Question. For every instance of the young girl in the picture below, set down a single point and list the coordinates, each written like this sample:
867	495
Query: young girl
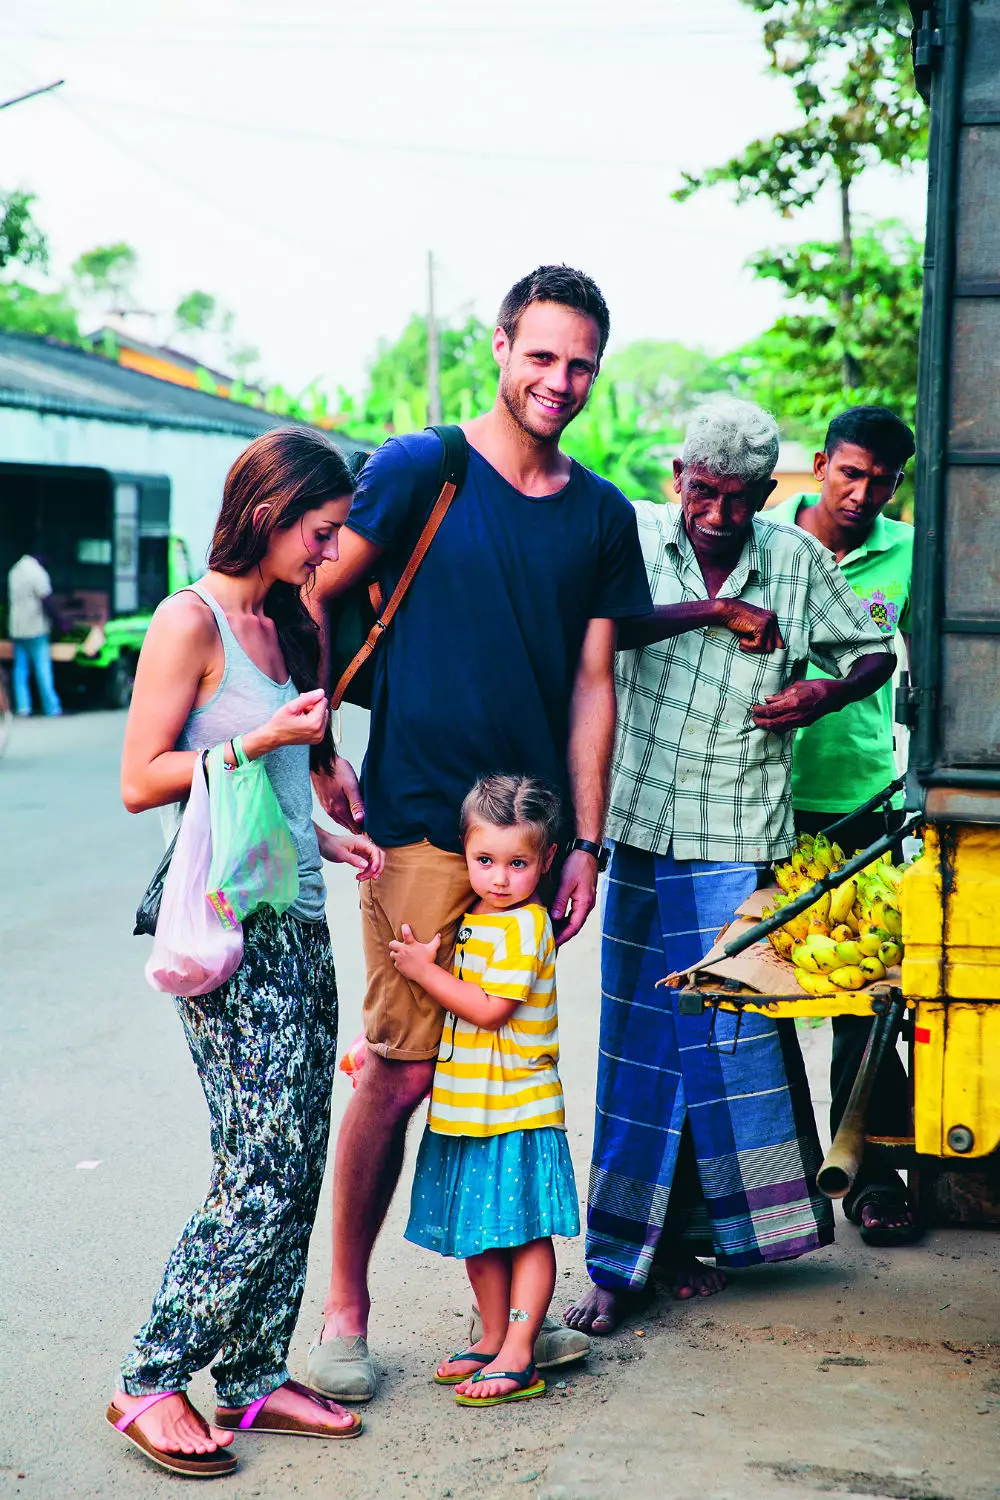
494	1180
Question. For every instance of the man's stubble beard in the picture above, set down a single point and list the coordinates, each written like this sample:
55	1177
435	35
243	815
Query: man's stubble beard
519	414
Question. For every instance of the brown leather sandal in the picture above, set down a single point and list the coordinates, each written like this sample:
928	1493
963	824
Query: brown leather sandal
192	1465
256	1418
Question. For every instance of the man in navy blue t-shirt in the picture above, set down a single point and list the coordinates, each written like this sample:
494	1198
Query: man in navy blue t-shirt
500	659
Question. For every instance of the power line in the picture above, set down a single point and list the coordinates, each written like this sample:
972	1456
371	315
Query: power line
33	93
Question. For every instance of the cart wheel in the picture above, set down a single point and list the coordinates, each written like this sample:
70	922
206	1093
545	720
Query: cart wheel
120	681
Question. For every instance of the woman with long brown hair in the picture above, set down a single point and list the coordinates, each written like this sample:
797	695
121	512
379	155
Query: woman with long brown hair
237	654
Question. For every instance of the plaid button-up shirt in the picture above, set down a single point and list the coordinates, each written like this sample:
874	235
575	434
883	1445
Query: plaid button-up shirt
690	767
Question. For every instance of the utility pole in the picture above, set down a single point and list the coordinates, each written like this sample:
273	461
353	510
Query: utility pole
433	351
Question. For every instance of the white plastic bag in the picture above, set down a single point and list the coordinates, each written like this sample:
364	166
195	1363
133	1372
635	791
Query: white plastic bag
192	953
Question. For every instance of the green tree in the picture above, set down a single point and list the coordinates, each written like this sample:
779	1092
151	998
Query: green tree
667	381
105	274
612	436
796	366
195	312
850	70
21	240
23	307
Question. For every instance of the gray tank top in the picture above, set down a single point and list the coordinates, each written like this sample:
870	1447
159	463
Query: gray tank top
246	698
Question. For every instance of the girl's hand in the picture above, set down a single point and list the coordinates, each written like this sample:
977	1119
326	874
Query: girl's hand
411	957
301	722
354	849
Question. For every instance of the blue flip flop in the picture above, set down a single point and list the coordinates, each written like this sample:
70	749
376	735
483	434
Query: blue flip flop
480	1359
528	1381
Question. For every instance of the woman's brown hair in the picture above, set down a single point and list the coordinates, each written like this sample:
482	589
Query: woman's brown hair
291	470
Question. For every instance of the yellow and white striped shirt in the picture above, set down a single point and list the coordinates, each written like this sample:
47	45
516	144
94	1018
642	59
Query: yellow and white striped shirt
491	1082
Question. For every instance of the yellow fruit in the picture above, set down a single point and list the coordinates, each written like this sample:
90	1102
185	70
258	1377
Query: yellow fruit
848	977
838	854
893	920
820	909
782	942
841	901
849	952
815	870
797	927
824	952
785	876
816	984
843	933
799	862
817	930
871	968
890	953
802	958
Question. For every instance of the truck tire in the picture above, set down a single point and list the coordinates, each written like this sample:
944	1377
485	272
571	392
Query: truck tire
120	681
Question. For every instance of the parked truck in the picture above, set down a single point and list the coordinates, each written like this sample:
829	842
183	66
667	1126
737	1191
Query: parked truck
106	542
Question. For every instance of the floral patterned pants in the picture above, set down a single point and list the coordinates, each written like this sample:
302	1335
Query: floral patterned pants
265	1048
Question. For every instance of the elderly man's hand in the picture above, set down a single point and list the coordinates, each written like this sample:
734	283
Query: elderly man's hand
795	706
757	628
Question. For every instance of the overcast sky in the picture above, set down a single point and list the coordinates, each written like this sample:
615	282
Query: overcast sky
298	160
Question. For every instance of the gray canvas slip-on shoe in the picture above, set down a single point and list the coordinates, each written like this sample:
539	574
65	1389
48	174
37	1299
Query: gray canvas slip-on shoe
343	1369
555	1344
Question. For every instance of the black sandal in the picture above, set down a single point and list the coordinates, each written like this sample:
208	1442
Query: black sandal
881	1198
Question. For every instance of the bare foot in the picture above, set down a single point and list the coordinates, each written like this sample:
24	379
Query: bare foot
173	1425
687	1276
448	1368
888	1215
598	1311
294	1400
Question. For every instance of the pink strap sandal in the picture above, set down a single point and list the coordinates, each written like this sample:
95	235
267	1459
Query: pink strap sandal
194	1465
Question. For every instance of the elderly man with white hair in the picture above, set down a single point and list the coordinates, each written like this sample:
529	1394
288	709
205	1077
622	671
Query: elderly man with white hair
705	1142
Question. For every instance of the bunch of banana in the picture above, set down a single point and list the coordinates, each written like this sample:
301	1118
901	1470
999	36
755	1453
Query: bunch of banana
848	937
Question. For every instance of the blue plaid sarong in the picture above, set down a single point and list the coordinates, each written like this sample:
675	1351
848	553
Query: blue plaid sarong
747	1105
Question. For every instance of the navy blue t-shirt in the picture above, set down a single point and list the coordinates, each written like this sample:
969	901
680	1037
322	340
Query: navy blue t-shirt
476	671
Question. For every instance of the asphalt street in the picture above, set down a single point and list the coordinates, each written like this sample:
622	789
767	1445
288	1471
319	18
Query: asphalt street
850	1372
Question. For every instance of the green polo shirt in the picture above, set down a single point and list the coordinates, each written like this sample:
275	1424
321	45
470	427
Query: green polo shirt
846	757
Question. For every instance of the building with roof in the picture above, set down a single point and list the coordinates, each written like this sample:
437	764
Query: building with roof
71	417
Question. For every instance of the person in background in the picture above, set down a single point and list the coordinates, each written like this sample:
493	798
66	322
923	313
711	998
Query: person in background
705	1141
29	623
848	757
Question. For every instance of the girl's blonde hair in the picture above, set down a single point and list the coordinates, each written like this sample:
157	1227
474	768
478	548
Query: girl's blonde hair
513	802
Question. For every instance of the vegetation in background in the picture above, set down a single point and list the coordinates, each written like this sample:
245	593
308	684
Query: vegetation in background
856	300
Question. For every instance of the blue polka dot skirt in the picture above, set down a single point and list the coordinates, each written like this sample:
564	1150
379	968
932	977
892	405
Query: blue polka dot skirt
476	1193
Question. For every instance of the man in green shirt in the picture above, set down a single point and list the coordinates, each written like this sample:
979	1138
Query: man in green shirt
846	758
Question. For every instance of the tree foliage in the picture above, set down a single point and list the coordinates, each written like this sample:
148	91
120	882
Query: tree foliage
795	368
850	70
21	241
106	273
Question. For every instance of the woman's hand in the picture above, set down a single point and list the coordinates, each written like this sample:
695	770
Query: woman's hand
303	721
412	958
355	849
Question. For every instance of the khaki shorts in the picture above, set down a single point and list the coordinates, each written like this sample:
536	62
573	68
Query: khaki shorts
428	888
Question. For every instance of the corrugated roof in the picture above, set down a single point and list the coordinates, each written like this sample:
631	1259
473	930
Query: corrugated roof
47	376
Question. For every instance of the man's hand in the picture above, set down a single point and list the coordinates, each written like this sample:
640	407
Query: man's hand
757	628
798	704
576	896
340	795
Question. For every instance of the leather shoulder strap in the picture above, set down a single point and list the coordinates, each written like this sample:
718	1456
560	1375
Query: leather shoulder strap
451	476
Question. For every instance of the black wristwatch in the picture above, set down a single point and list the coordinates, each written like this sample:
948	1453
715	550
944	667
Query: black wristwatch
601	852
